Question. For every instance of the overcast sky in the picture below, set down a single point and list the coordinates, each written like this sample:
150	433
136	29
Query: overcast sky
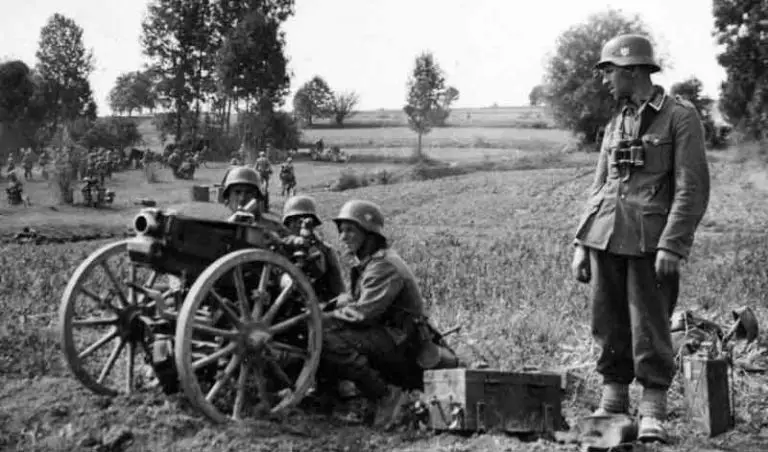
492	50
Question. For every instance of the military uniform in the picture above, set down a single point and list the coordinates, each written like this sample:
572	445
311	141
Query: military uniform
633	211
373	352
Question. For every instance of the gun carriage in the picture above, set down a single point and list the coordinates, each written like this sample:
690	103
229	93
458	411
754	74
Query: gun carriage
223	311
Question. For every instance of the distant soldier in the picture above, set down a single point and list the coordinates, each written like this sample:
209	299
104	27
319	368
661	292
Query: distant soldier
15	190
264	167
650	191
287	177
11	164
28	160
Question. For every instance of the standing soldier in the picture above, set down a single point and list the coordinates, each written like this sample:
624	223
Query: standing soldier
650	192
11	163
287	177
28	160
264	167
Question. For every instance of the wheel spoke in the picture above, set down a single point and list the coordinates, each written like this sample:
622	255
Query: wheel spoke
131	291
213	357
102	302
226	375
115	283
129	363
279	301
280	373
111	361
242	296
229	334
266	271
240	397
95	322
288	349
224	305
98	344
286	325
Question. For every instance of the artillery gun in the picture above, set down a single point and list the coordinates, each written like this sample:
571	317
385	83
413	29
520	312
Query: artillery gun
223	311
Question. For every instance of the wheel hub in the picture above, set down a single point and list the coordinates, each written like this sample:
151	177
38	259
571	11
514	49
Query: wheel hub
257	336
130	324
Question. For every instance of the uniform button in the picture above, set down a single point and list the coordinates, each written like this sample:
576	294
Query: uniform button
623	196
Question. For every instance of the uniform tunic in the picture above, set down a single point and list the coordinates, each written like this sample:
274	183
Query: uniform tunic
372	352
632	212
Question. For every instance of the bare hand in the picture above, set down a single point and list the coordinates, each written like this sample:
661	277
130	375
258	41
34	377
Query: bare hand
667	264
347	314
580	265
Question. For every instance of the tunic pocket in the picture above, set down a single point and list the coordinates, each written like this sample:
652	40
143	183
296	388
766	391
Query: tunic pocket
653	221
658	153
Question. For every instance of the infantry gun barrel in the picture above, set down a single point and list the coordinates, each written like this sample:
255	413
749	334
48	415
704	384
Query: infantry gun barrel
146	222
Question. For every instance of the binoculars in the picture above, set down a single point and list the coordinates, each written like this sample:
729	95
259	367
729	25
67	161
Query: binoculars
628	153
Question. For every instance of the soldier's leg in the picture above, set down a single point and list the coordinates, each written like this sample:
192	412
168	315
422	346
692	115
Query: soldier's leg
651	304
611	329
347	355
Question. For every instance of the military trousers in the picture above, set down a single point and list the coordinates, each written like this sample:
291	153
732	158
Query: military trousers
358	354
631	311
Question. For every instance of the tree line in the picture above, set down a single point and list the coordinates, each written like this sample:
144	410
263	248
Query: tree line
579	102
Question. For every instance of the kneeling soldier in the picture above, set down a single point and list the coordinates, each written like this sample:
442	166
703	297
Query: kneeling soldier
300	217
242	184
367	335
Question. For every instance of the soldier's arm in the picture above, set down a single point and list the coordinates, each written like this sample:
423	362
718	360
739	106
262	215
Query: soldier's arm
601	169
379	287
691	183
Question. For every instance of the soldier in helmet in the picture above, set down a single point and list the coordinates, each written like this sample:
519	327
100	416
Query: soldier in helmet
650	191
299	215
242	184
368	333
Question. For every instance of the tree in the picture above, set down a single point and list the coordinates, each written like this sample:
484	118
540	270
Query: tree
427	98
537	96
111	133
343	105
741	28
133	91
313	100
16	90
690	89
576	96
251	63
65	64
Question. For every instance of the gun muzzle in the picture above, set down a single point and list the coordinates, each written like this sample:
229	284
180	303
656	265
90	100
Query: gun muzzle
146	222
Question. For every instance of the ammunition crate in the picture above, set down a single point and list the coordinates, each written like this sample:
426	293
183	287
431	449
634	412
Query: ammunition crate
200	193
469	400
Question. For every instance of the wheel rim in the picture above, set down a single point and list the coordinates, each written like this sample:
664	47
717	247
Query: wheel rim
263	339
102	318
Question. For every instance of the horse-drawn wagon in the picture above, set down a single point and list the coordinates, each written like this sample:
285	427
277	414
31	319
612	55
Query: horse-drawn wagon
223	311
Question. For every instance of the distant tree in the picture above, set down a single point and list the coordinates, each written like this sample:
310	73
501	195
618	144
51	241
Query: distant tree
575	94
16	90
427	98
537	96
343	105
65	64
741	28
133	91
313	100
111	133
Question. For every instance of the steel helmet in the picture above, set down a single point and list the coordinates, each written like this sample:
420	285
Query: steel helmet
262	154
300	205
365	214
240	175
628	50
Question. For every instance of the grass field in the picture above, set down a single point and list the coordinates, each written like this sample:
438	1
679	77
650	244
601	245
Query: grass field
491	250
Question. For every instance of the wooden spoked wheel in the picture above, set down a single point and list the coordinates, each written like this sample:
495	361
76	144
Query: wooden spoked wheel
248	337
102	319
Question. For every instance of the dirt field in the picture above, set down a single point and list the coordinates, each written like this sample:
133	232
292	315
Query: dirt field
491	250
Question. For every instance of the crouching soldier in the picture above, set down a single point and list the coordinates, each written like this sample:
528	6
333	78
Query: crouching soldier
300	217
367	335
242	184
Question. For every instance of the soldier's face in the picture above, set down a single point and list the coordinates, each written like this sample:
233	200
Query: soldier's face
351	236
620	81
240	195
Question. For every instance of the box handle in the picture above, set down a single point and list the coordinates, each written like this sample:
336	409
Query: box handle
480	416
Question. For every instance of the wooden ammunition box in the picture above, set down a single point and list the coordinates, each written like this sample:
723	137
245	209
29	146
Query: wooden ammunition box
707	394
471	400
201	193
